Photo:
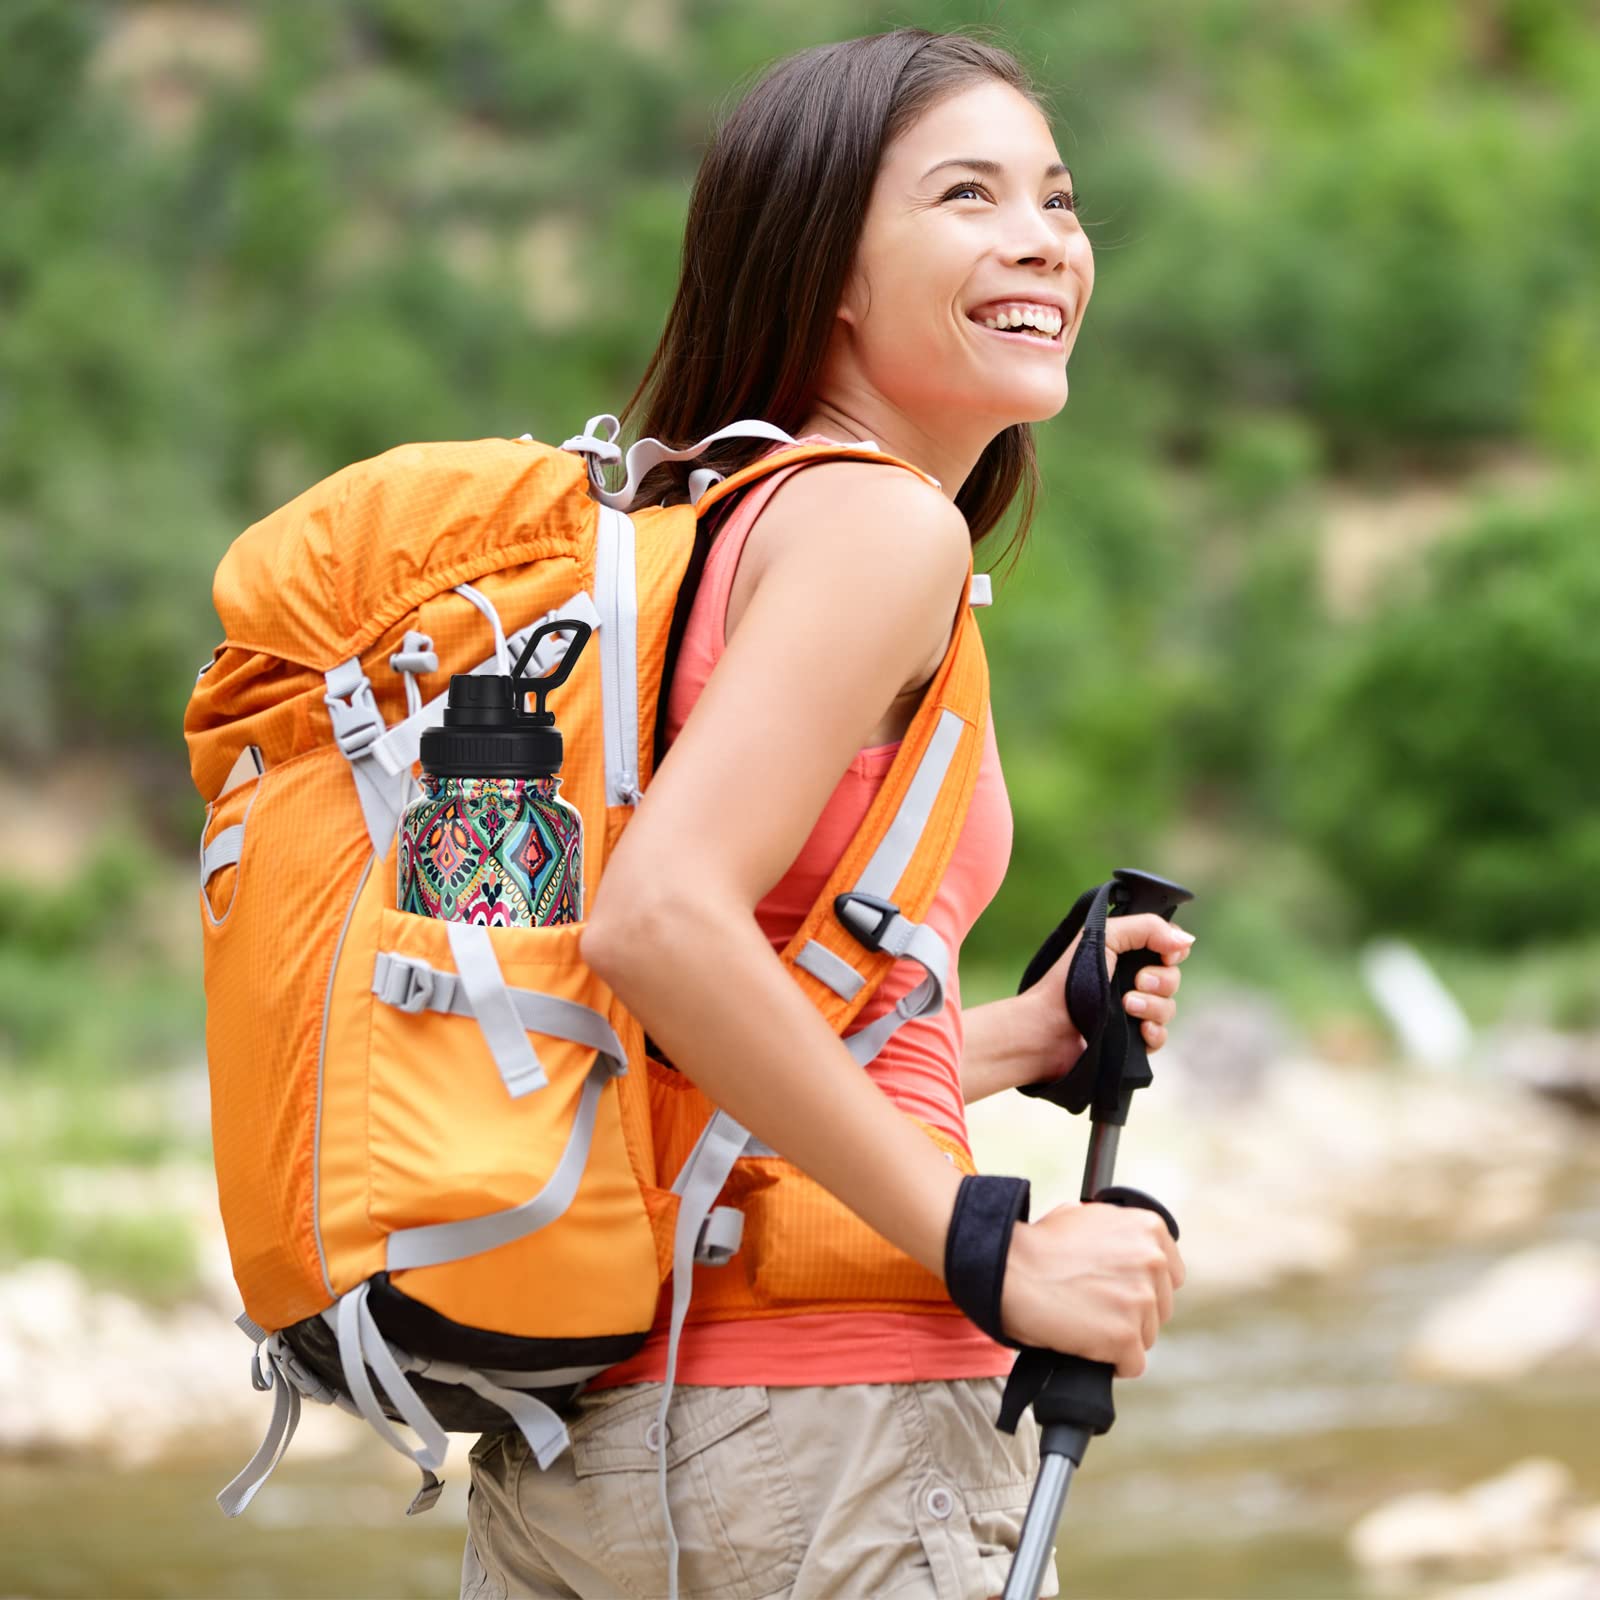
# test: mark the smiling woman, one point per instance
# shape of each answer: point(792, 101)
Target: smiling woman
point(879, 248)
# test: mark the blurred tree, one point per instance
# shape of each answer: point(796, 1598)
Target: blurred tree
point(1447, 766)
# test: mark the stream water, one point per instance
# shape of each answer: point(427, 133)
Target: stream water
point(1259, 1433)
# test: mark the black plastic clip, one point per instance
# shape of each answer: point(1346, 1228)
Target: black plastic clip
point(887, 911)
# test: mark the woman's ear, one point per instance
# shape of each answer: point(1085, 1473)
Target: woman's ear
point(855, 300)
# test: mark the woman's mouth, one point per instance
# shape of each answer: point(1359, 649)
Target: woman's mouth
point(1024, 334)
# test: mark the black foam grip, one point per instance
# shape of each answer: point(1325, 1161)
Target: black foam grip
point(987, 1209)
point(1068, 1389)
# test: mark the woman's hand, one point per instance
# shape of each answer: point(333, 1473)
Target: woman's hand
point(1093, 1280)
point(1152, 1001)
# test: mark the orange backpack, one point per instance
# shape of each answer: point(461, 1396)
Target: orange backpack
point(396, 1220)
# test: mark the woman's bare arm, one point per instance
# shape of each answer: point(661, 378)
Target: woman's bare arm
point(1009, 1042)
point(864, 575)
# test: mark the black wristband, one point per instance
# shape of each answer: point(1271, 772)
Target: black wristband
point(987, 1209)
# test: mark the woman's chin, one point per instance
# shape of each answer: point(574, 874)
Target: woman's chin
point(1038, 403)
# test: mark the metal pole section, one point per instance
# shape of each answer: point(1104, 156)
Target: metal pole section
point(1039, 1529)
point(1101, 1160)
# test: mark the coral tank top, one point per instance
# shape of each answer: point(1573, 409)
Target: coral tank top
point(918, 1067)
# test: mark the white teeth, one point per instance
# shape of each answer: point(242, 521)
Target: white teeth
point(1045, 321)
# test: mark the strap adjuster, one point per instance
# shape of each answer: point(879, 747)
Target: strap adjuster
point(357, 723)
point(402, 983)
point(844, 907)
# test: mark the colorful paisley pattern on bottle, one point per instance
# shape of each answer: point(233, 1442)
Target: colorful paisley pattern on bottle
point(503, 852)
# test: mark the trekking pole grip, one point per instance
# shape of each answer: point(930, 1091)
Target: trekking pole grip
point(1071, 1398)
point(1070, 1395)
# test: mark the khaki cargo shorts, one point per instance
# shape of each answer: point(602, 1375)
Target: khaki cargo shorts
point(871, 1491)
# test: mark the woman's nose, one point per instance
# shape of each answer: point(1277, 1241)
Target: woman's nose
point(1041, 243)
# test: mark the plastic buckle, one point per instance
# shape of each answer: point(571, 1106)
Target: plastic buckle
point(356, 723)
point(405, 984)
point(415, 655)
point(887, 911)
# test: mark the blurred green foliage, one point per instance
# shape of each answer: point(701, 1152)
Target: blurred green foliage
point(1337, 247)
point(1447, 765)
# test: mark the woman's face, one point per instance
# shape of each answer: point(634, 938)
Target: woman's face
point(989, 229)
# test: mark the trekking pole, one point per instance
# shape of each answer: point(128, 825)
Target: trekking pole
point(1071, 1395)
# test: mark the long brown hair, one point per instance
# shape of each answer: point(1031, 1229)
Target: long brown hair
point(773, 224)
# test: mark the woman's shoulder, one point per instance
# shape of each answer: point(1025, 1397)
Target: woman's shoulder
point(833, 509)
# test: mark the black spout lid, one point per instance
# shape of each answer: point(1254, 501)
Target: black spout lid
point(487, 734)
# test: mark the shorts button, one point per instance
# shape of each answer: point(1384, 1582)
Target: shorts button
point(941, 1502)
point(652, 1435)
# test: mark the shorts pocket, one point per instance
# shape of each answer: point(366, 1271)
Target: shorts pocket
point(735, 1509)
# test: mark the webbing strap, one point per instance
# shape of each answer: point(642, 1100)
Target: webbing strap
point(357, 726)
point(835, 971)
point(430, 1245)
point(721, 1143)
point(924, 946)
point(411, 984)
point(889, 861)
point(869, 914)
point(280, 1430)
point(545, 1432)
point(484, 988)
point(223, 851)
point(360, 1342)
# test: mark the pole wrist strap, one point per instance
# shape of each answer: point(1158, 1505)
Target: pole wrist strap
point(987, 1208)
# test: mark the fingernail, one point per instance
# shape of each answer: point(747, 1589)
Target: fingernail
point(1184, 934)
point(1137, 1002)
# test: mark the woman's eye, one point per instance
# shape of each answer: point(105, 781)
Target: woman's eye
point(1069, 195)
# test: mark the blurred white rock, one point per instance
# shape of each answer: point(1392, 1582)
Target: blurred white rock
point(1536, 1306)
point(1414, 1532)
point(1544, 1580)
point(1523, 1511)
point(1523, 1515)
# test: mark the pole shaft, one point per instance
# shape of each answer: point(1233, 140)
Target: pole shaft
point(1099, 1166)
point(1039, 1528)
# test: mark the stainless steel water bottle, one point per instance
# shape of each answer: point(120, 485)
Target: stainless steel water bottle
point(489, 840)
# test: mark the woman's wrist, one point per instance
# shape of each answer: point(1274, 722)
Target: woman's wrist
point(1048, 1044)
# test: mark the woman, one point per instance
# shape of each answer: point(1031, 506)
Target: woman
point(868, 223)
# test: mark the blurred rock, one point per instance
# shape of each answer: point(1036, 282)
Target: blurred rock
point(1546, 1580)
point(1534, 1307)
point(1523, 1513)
point(1278, 1162)
point(85, 1370)
point(1230, 1041)
point(1428, 1529)
point(1564, 1066)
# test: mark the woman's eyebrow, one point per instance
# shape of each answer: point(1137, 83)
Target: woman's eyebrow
point(992, 169)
